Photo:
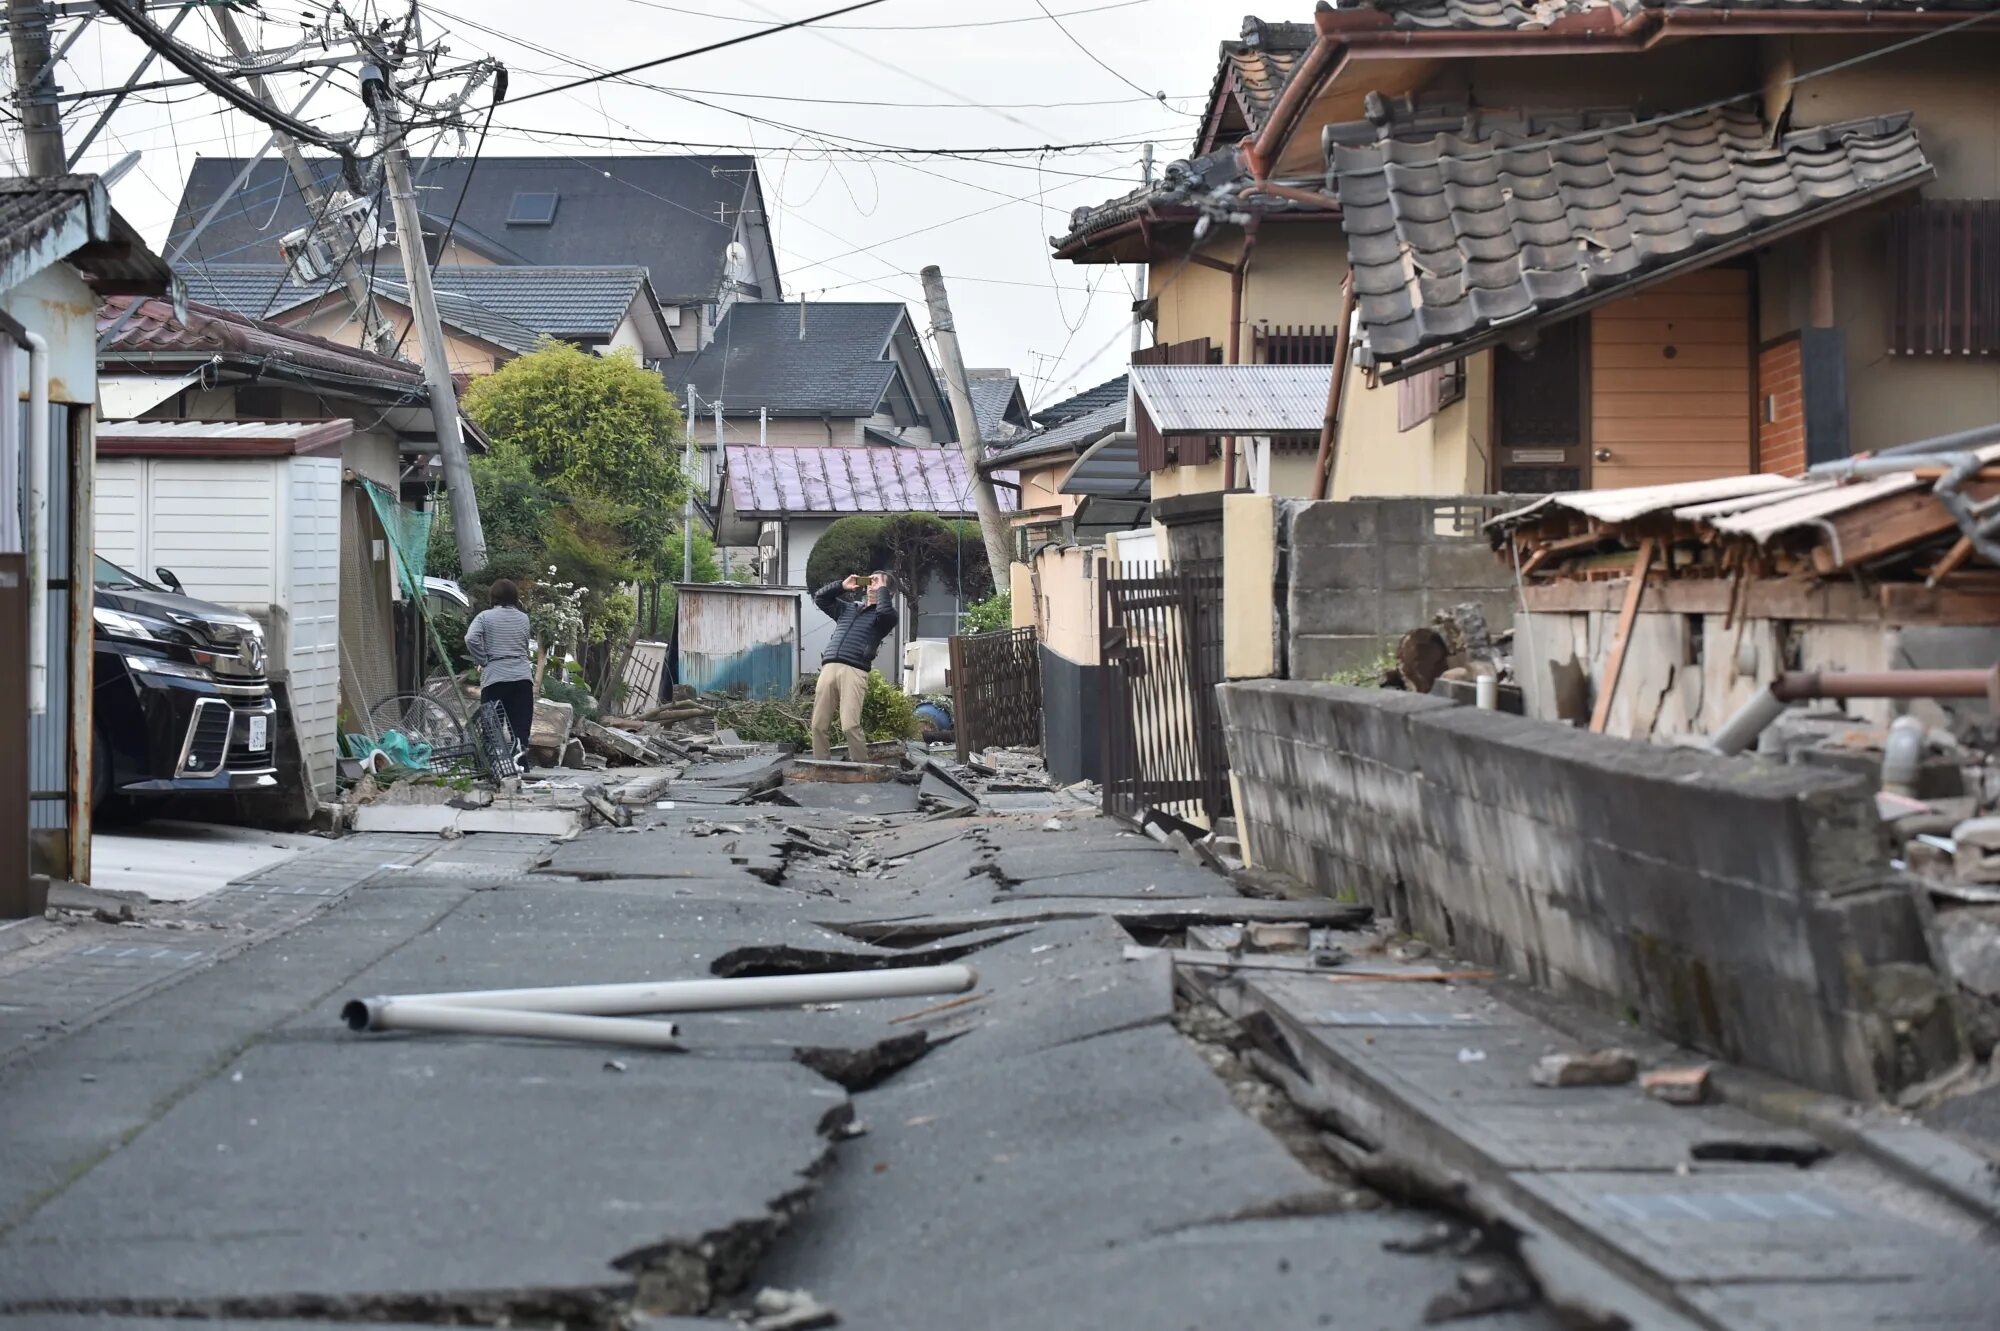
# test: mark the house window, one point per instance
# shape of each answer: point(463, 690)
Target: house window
point(1944, 266)
point(532, 208)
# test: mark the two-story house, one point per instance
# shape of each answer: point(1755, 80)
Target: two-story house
point(643, 252)
point(1596, 243)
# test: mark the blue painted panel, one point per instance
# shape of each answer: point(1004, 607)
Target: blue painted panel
point(767, 670)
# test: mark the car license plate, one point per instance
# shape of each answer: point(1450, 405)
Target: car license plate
point(257, 733)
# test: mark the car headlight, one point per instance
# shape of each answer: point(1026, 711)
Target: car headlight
point(156, 665)
point(118, 624)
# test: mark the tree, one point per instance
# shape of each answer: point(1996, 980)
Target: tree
point(584, 474)
point(913, 546)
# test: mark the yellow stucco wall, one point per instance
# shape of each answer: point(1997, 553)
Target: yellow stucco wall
point(1063, 588)
point(1040, 497)
point(335, 321)
point(1249, 586)
point(1948, 85)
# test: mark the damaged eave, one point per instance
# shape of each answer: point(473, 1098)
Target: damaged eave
point(1449, 352)
point(1435, 286)
point(1361, 33)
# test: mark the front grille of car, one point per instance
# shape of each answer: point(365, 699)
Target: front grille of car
point(218, 736)
point(208, 738)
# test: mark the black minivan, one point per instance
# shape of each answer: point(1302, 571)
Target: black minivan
point(182, 702)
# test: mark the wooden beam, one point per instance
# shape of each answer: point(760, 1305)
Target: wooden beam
point(1616, 665)
point(1897, 522)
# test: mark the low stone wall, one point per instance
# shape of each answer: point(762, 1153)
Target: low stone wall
point(1734, 906)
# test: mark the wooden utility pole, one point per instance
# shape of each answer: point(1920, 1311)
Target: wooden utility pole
point(28, 23)
point(970, 446)
point(465, 522)
point(376, 334)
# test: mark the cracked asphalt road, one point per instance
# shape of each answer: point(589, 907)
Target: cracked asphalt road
point(1051, 1151)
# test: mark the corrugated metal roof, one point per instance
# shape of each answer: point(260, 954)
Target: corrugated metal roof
point(1813, 502)
point(783, 480)
point(1244, 399)
point(1639, 500)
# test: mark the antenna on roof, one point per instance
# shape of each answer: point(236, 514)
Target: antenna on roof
point(802, 316)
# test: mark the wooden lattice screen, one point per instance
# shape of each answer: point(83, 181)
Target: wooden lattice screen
point(1944, 262)
point(996, 690)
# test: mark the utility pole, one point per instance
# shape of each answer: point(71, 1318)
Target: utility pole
point(28, 23)
point(376, 334)
point(970, 446)
point(716, 469)
point(1138, 314)
point(465, 522)
point(688, 420)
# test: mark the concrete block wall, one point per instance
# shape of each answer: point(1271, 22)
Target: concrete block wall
point(1363, 572)
point(1740, 908)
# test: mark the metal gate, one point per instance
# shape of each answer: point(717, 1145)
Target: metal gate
point(1161, 630)
point(996, 690)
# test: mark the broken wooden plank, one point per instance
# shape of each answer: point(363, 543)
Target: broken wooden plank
point(1642, 563)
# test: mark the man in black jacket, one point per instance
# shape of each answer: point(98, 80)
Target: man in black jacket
point(858, 630)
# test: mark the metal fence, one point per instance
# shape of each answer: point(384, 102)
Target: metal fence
point(1161, 629)
point(996, 690)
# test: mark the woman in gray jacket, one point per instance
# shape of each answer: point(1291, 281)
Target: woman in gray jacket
point(497, 641)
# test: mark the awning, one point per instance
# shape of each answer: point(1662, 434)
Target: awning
point(1233, 399)
point(124, 397)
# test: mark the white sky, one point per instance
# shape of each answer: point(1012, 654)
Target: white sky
point(1059, 326)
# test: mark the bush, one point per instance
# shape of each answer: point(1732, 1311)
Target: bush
point(988, 616)
point(889, 713)
point(558, 689)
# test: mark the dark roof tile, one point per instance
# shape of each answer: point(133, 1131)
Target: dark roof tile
point(1437, 264)
point(832, 362)
point(659, 212)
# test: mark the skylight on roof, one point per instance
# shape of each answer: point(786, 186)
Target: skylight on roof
point(532, 208)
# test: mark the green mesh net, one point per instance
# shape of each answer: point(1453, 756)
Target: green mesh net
point(409, 535)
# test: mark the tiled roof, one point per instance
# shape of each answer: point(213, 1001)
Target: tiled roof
point(566, 300)
point(1211, 184)
point(1090, 399)
point(1255, 68)
point(831, 363)
point(1536, 15)
point(508, 306)
point(153, 331)
point(994, 392)
point(1458, 236)
point(51, 219)
point(776, 481)
point(1068, 436)
point(673, 215)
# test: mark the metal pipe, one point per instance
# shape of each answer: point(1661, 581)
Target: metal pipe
point(38, 522)
point(1799, 685)
point(610, 1000)
point(1741, 730)
point(390, 1014)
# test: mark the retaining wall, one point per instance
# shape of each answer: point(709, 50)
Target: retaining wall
point(1737, 907)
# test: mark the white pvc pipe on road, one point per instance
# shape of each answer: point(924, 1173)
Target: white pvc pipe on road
point(611, 1000)
point(399, 1014)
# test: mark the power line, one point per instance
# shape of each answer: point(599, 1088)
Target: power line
point(1097, 60)
point(898, 27)
point(683, 55)
point(929, 106)
point(191, 64)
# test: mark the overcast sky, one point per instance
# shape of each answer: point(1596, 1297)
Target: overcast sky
point(841, 223)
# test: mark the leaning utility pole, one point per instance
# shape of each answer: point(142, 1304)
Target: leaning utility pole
point(970, 446)
point(465, 524)
point(376, 334)
point(28, 24)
